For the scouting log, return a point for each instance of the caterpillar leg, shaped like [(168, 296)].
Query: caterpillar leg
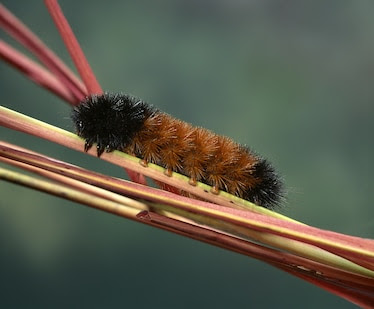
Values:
[(192, 181), (215, 189), (87, 146), (143, 163), (168, 172)]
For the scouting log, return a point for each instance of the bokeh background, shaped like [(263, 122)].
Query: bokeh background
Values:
[(294, 80)]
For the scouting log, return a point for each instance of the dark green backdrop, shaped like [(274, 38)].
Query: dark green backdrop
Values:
[(293, 80)]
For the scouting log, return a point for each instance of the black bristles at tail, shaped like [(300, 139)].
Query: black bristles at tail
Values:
[(269, 190)]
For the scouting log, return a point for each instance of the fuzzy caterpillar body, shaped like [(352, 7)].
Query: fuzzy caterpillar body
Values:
[(125, 123)]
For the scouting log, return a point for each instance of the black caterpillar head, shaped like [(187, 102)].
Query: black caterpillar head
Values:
[(109, 120)]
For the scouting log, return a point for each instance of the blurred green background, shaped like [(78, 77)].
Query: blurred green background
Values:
[(293, 80)]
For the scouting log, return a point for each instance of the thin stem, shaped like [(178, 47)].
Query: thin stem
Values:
[(26, 37), (68, 193), (35, 72), (74, 48), (245, 224), (363, 298), (125, 208)]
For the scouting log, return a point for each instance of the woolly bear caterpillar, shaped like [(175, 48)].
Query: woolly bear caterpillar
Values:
[(125, 123)]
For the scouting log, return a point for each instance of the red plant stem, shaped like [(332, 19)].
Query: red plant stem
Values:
[(329, 241), (35, 72), (81, 62), (362, 299), (282, 260), (26, 37), (74, 48), (270, 256), (334, 280), (43, 165), (347, 285), (277, 259)]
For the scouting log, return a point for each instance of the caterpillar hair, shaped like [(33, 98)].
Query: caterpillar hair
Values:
[(126, 123)]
